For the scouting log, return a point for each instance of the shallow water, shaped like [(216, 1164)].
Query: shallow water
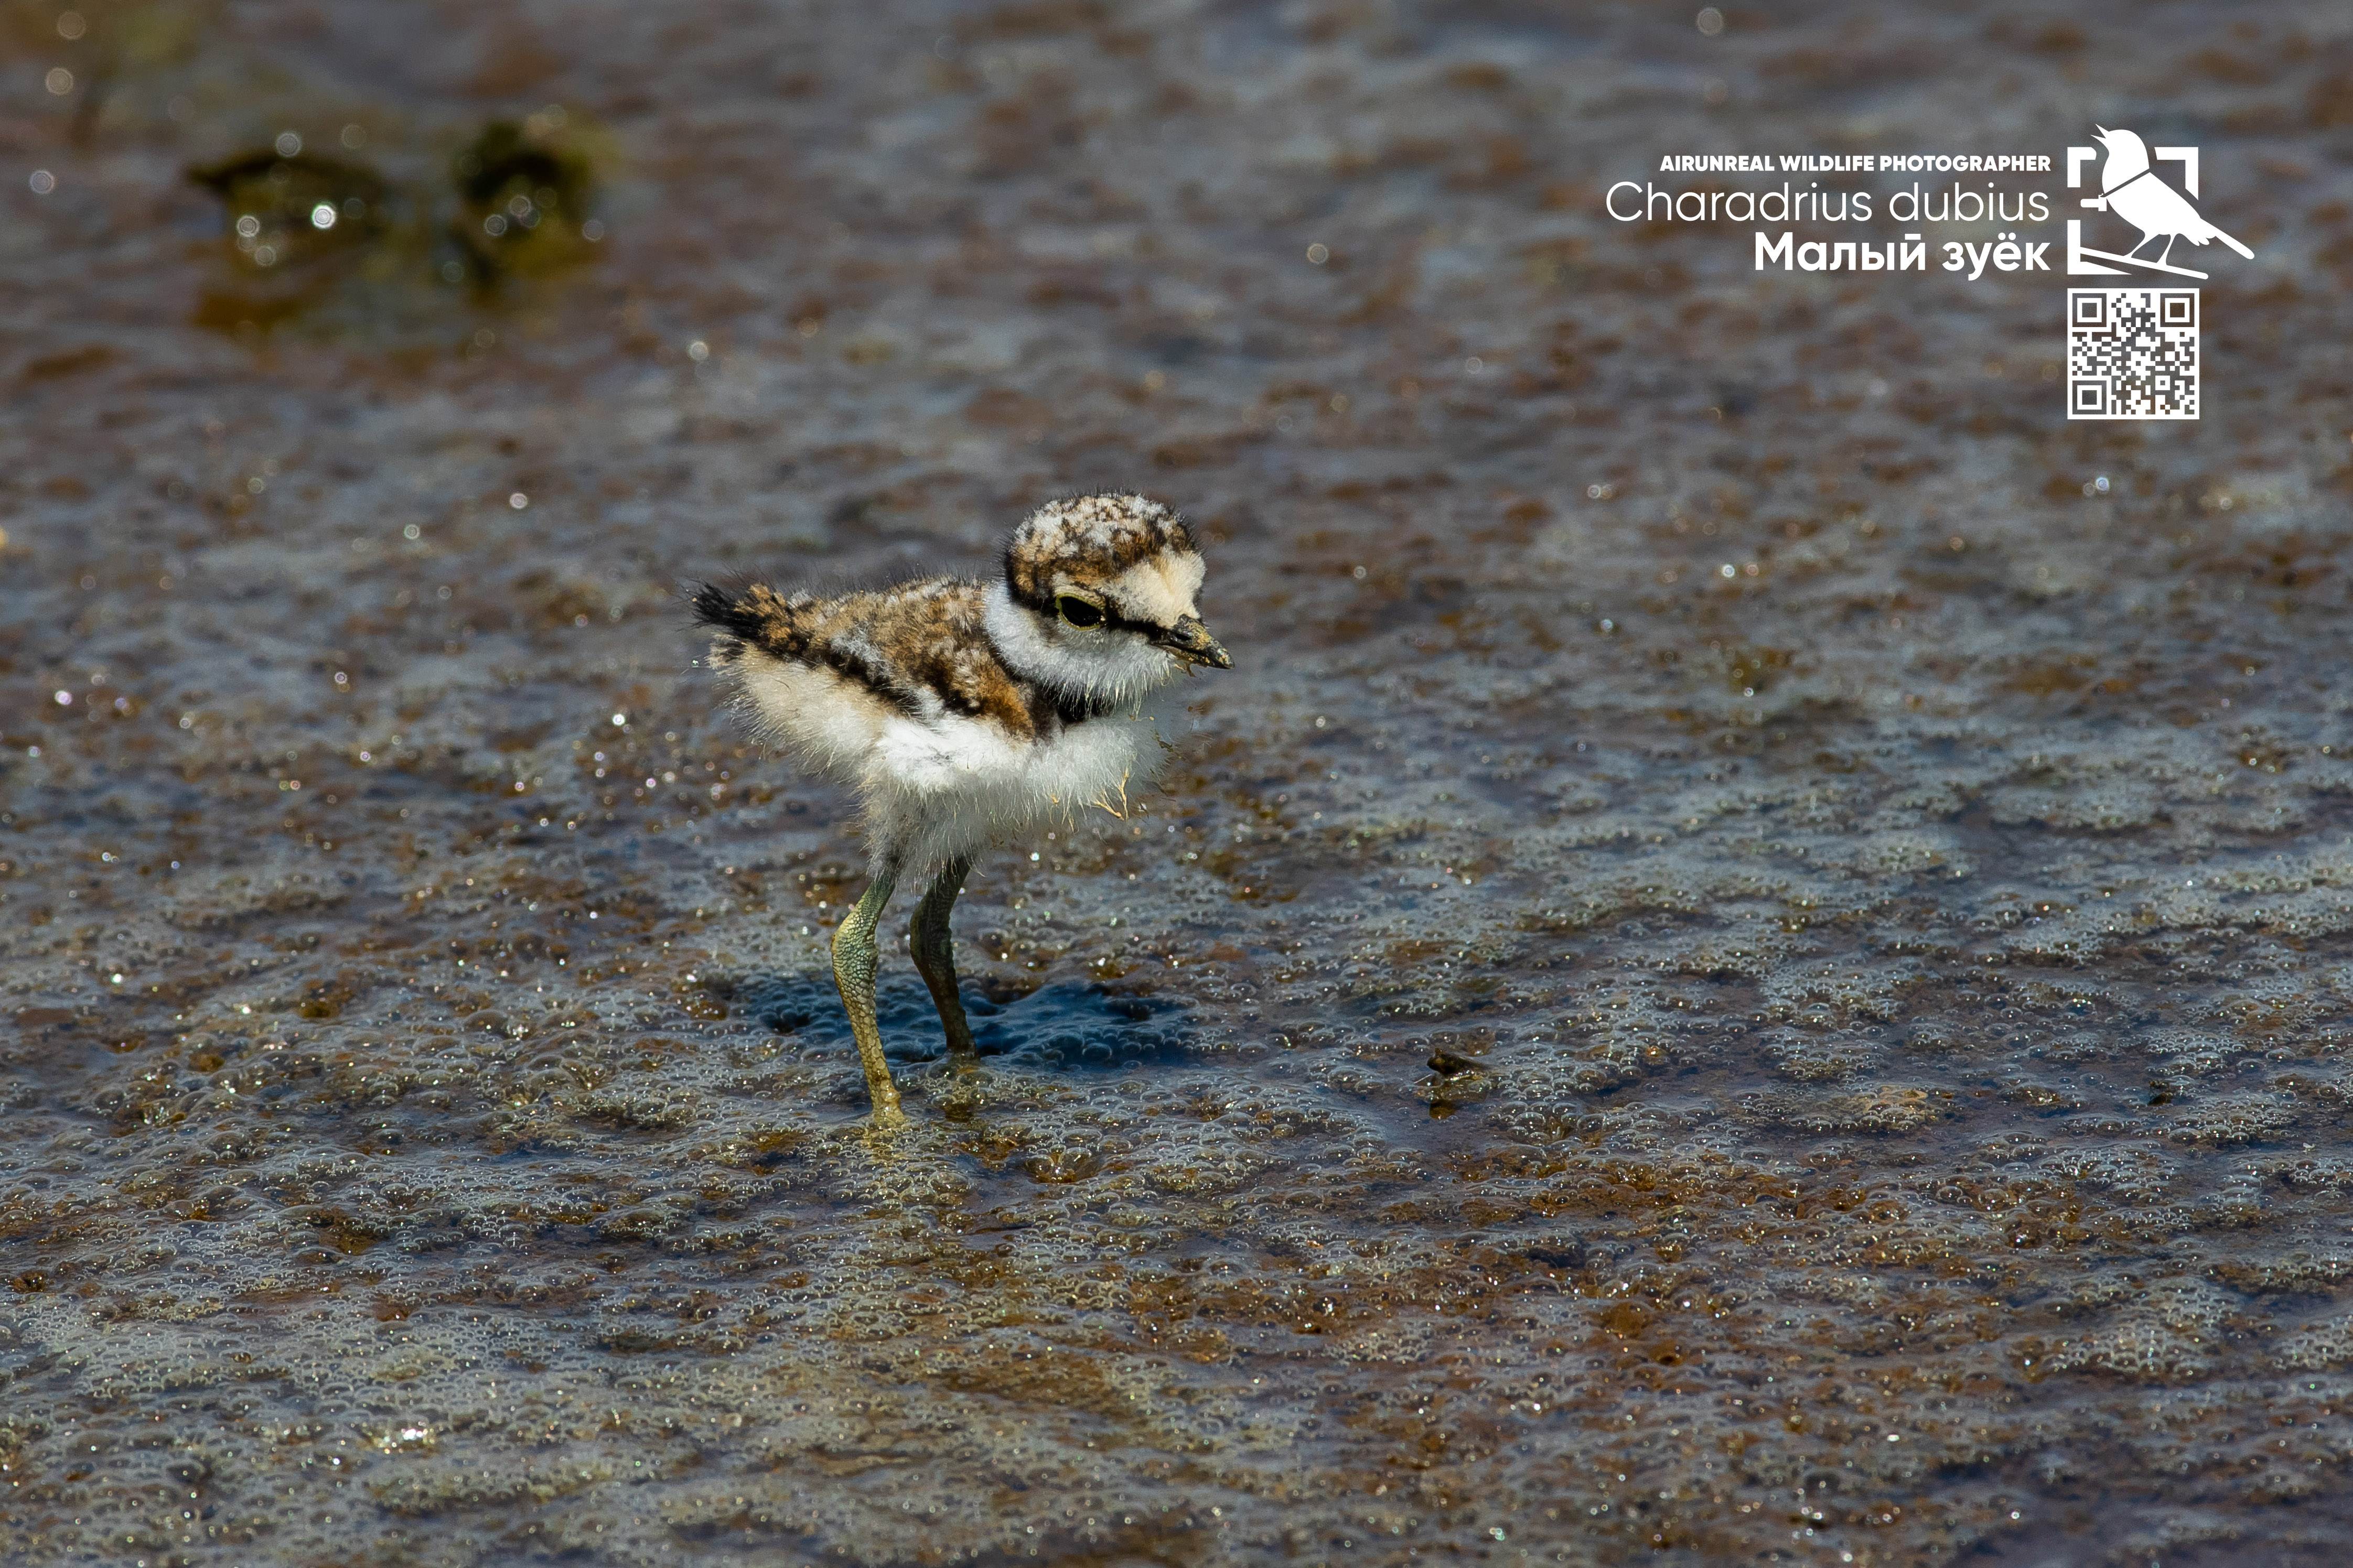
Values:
[(1896, 902)]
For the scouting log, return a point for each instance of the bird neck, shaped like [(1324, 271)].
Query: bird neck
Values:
[(1080, 686), (2124, 165)]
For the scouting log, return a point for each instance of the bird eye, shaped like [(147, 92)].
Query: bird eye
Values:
[(1079, 612)]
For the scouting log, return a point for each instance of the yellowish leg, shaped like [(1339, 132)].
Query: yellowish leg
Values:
[(935, 959), (854, 955)]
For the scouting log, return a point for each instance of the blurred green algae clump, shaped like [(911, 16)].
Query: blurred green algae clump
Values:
[(524, 196), (338, 243), (290, 207)]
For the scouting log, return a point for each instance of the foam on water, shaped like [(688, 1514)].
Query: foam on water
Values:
[(1890, 1003)]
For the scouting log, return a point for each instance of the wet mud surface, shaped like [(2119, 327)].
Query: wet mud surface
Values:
[(1871, 858)]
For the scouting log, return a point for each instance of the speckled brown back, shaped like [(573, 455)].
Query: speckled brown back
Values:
[(920, 647)]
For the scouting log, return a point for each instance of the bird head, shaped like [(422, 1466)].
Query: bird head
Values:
[(1101, 597), (2124, 145)]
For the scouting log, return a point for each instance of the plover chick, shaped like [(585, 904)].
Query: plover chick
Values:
[(965, 713)]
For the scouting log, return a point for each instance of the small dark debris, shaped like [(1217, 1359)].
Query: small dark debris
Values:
[(1447, 1065)]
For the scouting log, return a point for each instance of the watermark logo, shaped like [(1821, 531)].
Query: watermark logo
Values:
[(1981, 218), (2132, 189), (2132, 353)]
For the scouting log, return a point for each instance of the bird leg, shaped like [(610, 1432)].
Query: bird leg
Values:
[(935, 958), (2169, 249), (854, 955)]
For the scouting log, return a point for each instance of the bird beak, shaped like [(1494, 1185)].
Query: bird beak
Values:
[(1190, 640)]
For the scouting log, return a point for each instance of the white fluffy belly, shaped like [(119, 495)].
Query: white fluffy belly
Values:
[(950, 787), (943, 785)]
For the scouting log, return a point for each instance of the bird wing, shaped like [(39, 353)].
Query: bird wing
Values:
[(2154, 207)]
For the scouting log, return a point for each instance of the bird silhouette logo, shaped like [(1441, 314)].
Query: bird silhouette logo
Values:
[(2131, 188)]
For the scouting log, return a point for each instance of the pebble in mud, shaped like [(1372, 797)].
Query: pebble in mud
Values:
[(413, 1149)]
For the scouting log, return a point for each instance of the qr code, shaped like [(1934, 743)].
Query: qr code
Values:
[(2132, 353)]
